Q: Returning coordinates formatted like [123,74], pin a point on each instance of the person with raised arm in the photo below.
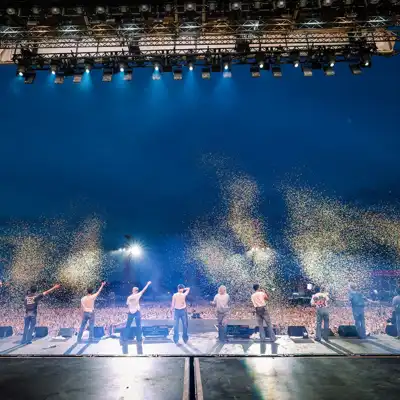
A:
[320,300]
[178,307]
[133,303]
[31,305]
[221,302]
[259,299]
[87,304]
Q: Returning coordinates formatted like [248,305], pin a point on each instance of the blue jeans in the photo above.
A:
[398,322]
[222,319]
[181,315]
[138,320]
[322,315]
[359,320]
[87,316]
[29,327]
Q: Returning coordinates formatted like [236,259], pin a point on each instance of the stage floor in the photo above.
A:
[214,378]
[202,344]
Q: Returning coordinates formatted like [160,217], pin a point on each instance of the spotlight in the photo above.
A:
[177,74]
[11,11]
[88,66]
[35,10]
[77,78]
[280,4]
[276,71]
[128,75]
[21,69]
[366,59]
[261,64]
[295,56]
[257,5]
[79,10]
[227,73]
[29,77]
[226,66]
[122,67]
[168,8]
[191,66]
[212,5]
[143,8]
[107,75]
[206,73]
[355,69]
[190,6]
[55,10]
[135,250]
[236,6]
[59,78]
[307,71]
[156,67]
[53,67]
[100,10]
[326,3]
[329,71]
[331,60]
[255,71]
[303,3]
[156,76]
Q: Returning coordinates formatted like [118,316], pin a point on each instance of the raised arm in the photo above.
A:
[51,289]
[145,288]
[186,291]
[100,289]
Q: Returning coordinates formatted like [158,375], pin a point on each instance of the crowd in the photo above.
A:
[55,317]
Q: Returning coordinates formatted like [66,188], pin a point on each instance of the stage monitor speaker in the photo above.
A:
[66,332]
[347,331]
[156,331]
[6,331]
[99,332]
[391,330]
[239,331]
[297,331]
[41,331]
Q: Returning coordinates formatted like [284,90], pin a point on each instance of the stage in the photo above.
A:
[291,368]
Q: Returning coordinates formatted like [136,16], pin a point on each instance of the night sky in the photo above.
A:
[133,152]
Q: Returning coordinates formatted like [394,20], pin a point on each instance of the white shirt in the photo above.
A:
[222,302]
[87,302]
[258,299]
[179,300]
[133,302]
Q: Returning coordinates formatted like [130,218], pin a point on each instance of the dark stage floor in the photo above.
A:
[169,378]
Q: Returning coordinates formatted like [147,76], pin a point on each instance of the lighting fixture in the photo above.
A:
[206,73]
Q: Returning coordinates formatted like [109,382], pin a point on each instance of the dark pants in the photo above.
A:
[29,327]
[181,315]
[222,317]
[87,316]
[138,320]
[322,315]
[262,316]
[397,313]
[359,320]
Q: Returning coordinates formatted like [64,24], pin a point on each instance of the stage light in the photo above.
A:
[29,77]
[190,6]
[326,3]
[168,8]
[303,3]
[156,76]
[144,8]
[206,73]
[355,69]
[366,59]
[35,10]
[77,78]
[212,5]
[257,5]
[276,71]
[236,5]
[191,67]
[156,67]
[255,71]
[226,66]
[107,75]
[128,74]
[281,4]
[122,66]
[329,71]
[135,250]
[261,64]
[177,74]
[11,11]
[100,10]
[59,78]
[227,73]
[88,66]
[55,10]
[53,67]
[21,69]
[79,10]
[331,60]
[307,71]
